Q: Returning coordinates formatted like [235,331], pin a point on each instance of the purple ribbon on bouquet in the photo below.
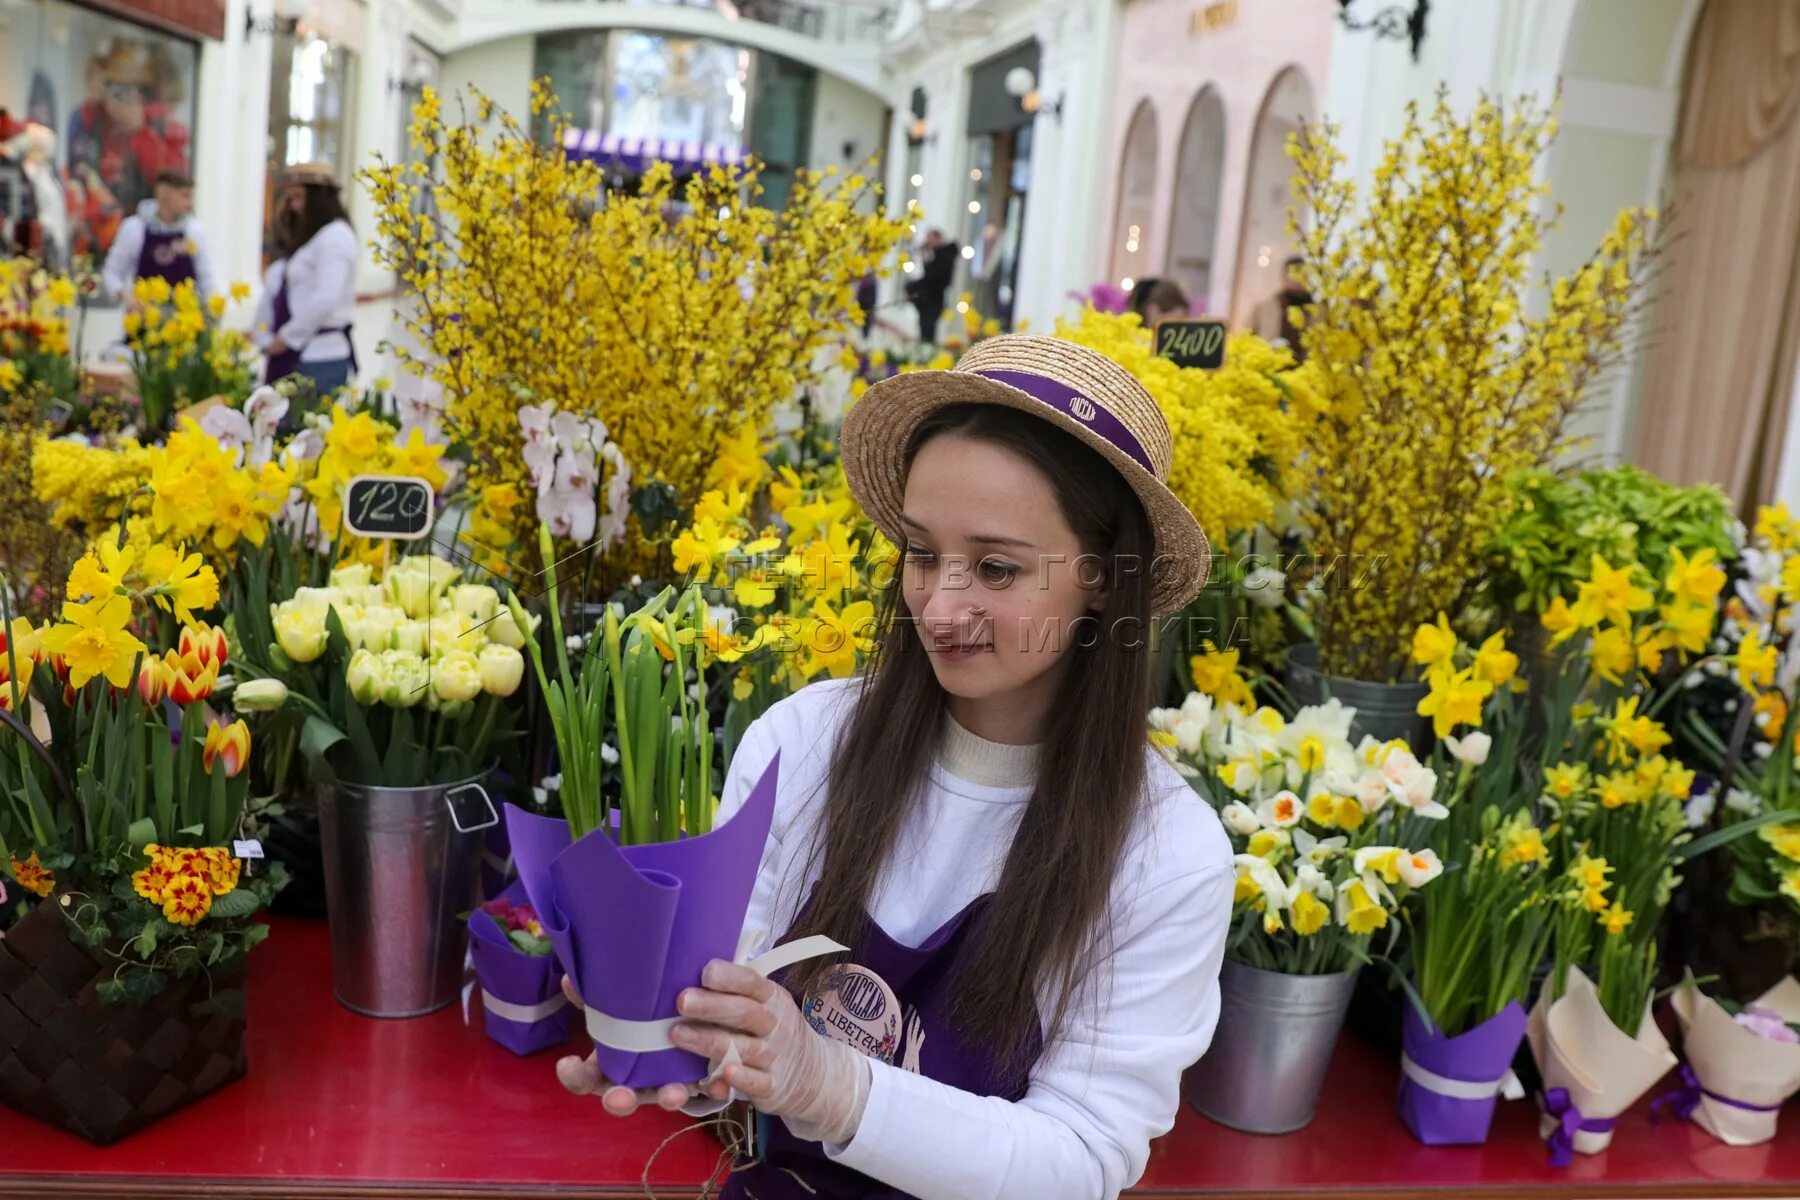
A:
[1569,1122]
[1686,1098]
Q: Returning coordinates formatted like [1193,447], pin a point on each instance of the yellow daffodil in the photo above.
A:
[1310,915]
[93,641]
[1615,919]
[1359,912]
[97,577]
[1215,674]
[1494,662]
[1783,839]
[1756,662]
[1455,700]
[1559,621]
[1435,646]
[1609,595]
[1612,653]
[1565,780]
[1696,581]
[1687,626]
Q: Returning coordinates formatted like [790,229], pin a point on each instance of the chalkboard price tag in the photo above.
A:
[59,414]
[397,507]
[1192,343]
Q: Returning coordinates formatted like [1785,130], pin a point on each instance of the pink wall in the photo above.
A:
[1161,60]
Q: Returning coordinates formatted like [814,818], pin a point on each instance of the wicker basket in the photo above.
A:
[102,1070]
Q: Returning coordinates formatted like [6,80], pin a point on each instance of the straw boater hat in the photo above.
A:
[312,174]
[1074,388]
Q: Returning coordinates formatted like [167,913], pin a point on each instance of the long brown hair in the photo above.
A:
[1045,925]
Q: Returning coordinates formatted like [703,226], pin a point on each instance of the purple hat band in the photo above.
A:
[1066,400]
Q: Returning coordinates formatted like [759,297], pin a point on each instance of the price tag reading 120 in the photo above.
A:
[1192,343]
[388,506]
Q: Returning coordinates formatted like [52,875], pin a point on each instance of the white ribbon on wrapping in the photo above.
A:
[525,1014]
[1507,1085]
[644,1037]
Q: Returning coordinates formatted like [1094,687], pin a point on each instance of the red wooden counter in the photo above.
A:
[337,1105]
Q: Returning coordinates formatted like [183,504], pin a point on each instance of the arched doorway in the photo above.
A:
[1137,198]
[1194,205]
[1263,243]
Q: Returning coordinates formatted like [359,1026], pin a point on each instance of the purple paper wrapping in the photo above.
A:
[515,977]
[1481,1056]
[635,925]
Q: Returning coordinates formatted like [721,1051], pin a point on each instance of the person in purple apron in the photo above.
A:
[312,309]
[1035,902]
[161,240]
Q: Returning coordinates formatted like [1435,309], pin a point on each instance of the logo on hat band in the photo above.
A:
[1067,400]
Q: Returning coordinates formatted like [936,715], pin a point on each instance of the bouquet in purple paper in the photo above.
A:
[637,892]
[522,1001]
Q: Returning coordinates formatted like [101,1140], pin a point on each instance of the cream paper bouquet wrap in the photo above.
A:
[1592,1069]
[1735,1079]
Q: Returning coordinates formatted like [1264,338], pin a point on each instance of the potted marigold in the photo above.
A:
[1314,819]
[120,800]
[1436,382]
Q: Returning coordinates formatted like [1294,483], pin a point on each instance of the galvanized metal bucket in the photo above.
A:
[1269,1054]
[1383,710]
[401,868]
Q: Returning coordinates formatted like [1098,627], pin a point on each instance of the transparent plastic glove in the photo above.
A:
[770,1055]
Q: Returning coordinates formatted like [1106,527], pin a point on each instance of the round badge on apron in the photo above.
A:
[856,1006]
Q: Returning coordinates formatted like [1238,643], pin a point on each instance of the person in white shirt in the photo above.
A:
[161,240]
[315,302]
[1036,903]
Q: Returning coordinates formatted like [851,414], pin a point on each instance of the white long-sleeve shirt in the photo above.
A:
[121,269]
[1110,1082]
[321,293]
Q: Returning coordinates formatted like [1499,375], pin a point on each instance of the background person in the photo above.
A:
[1157,299]
[314,302]
[928,292]
[161,240]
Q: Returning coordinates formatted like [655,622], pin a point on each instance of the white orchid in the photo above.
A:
[230,428]
[1699,808]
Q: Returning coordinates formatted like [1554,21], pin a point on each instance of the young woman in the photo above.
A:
[1036,904]
[315,303]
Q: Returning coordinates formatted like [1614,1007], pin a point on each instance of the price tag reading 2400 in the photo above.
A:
[1192,343]
[388,506]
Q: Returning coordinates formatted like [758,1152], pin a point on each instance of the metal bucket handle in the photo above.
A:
[493,818]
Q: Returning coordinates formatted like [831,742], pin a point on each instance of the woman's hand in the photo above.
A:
[771,1056]
[582,1077]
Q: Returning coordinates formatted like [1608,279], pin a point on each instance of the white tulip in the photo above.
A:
[1240,818]
[1471,748]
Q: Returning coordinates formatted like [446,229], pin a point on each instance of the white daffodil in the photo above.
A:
[1283,810]
[1419,868]
[1267,879]
[1317,851]
[1472,748]
[1240,818]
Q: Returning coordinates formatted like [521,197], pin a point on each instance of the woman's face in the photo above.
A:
[994,579]
[294,197]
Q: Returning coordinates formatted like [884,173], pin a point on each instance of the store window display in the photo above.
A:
[120,99]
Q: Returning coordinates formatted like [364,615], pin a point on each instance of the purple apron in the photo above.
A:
[165,256]
[923,980]
[280,366]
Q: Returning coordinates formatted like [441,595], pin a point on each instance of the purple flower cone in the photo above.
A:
[513,977]
[634,925]
[1480,1056]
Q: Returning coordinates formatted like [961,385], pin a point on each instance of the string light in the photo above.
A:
[974,206]
[1128,283]
[918,180]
